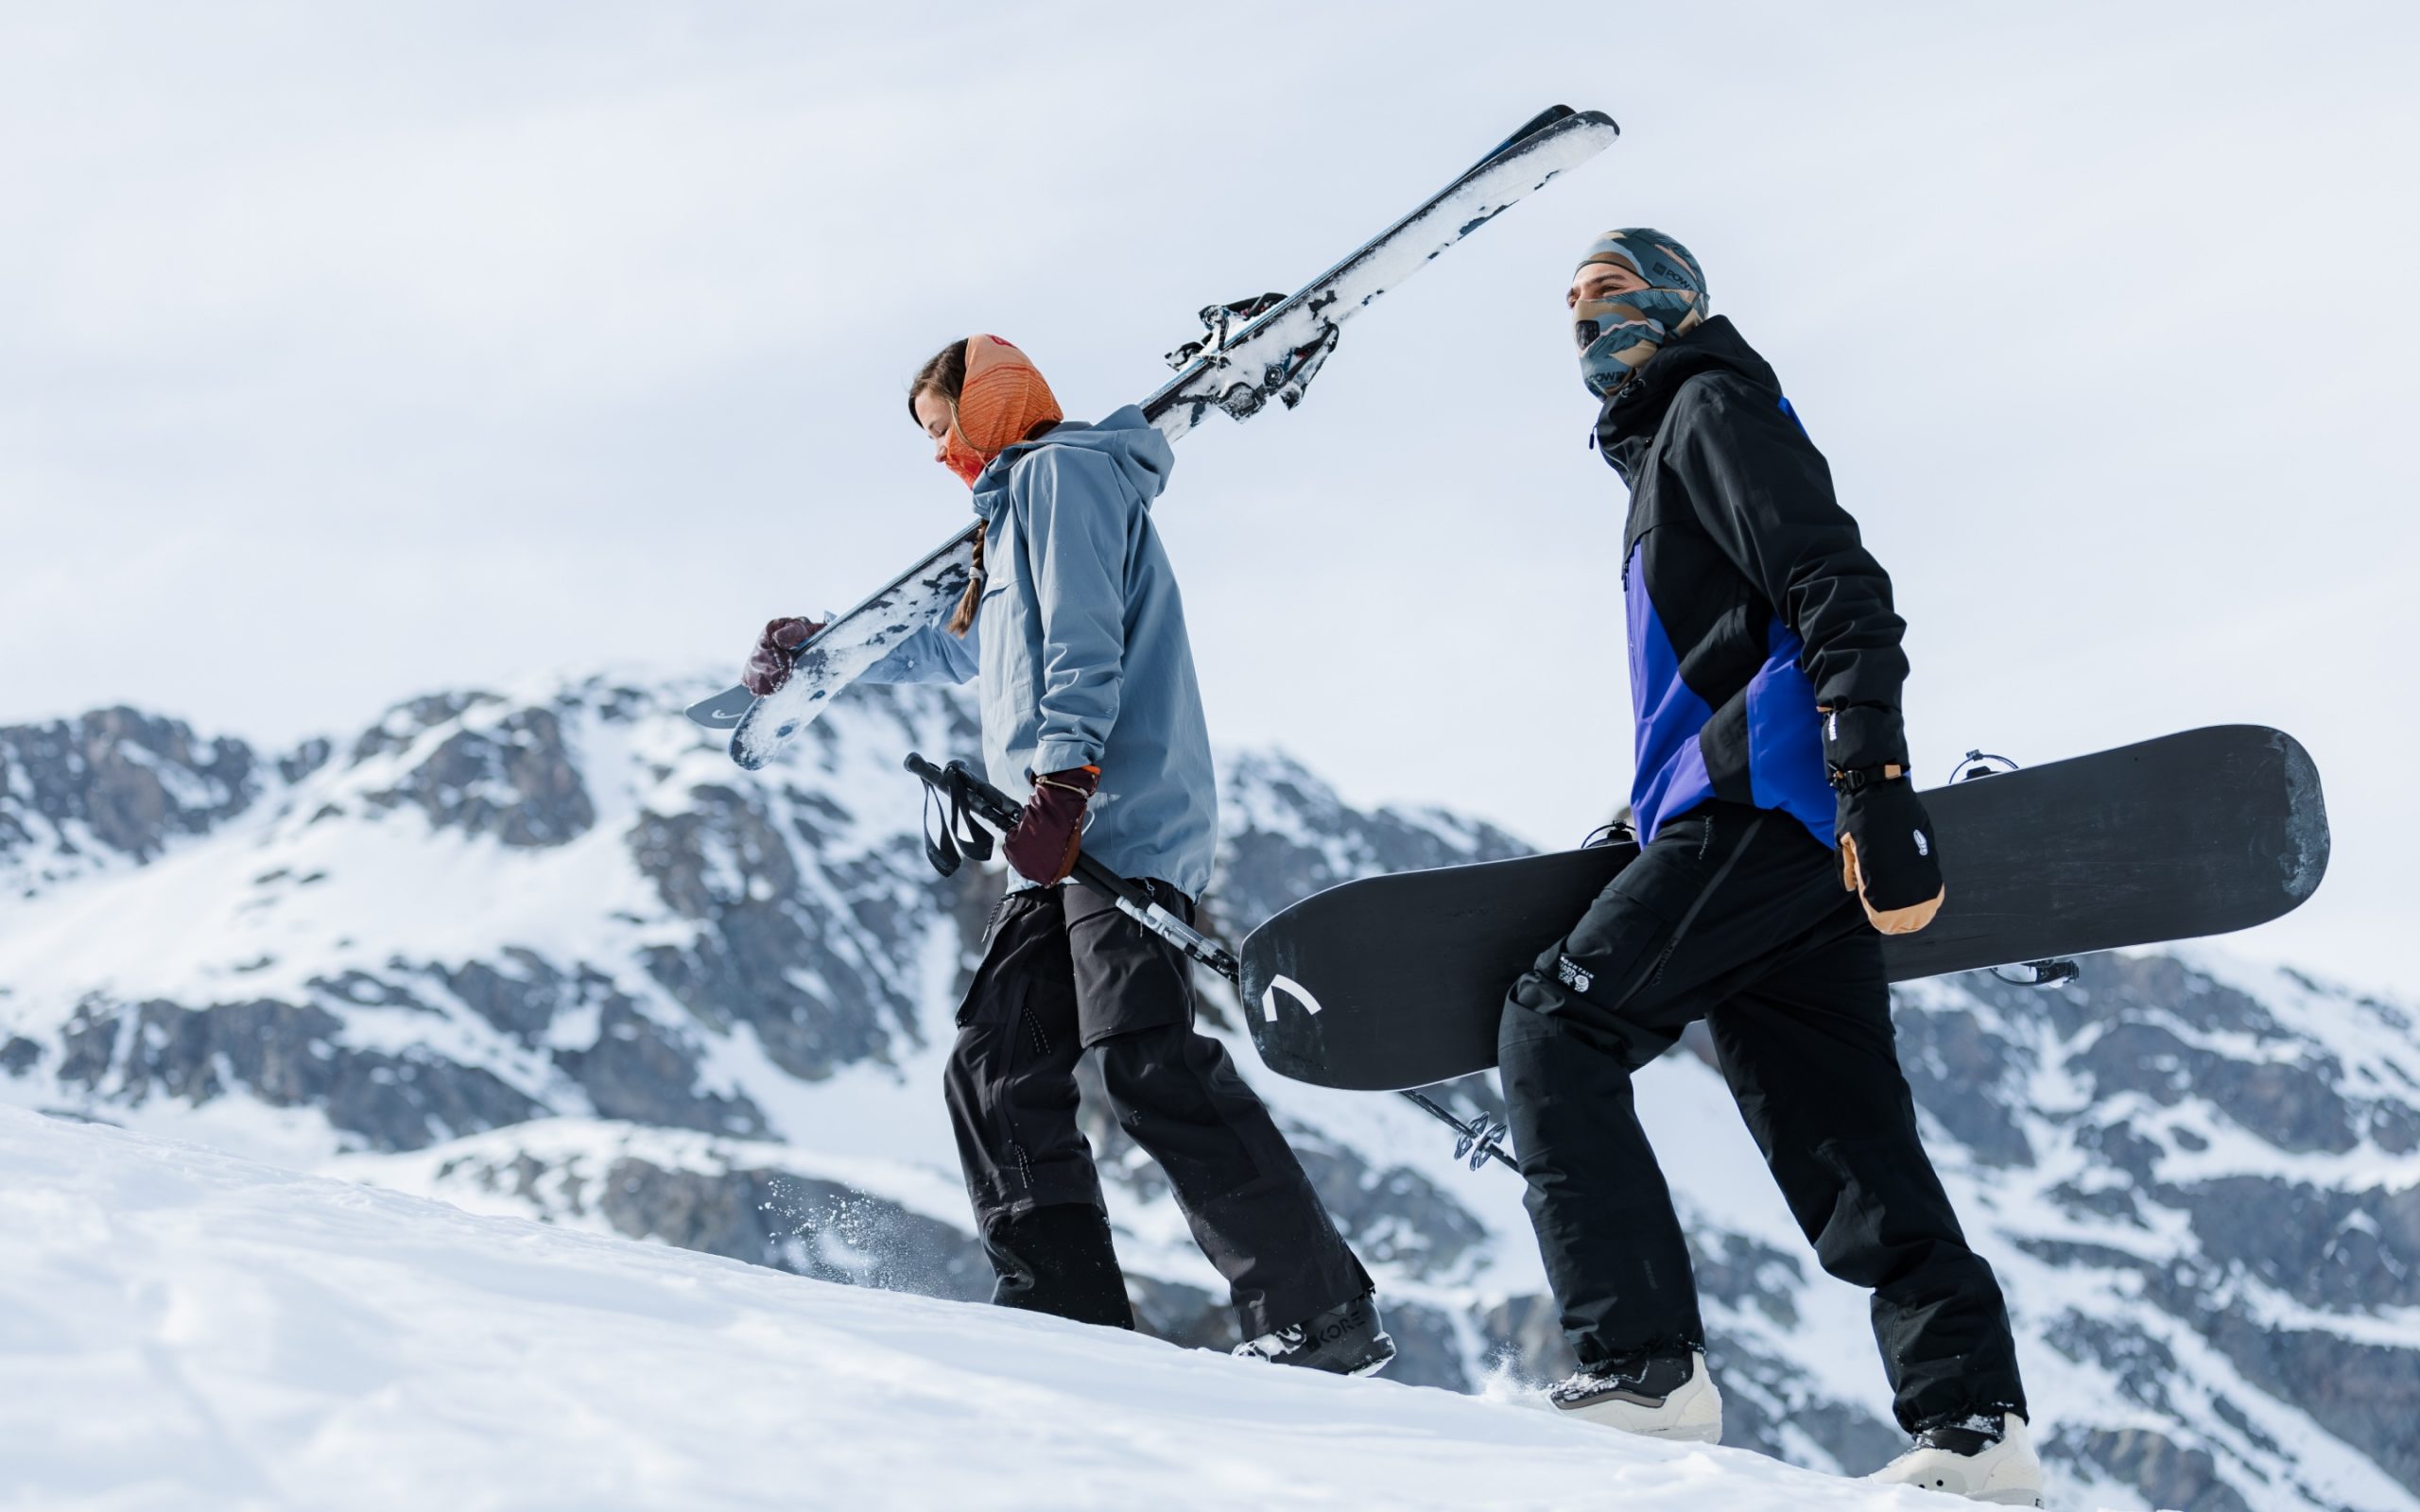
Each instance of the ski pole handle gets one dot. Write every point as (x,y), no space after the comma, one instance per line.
(996,809)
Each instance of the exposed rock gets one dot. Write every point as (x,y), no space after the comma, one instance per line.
(640,1071)
(514,780)
(124,782)
(2167,1473)
(1186,1317)
(821,991)
(2140,1364)
(1961,1073)
(2337,1250)
(1526,1340)
(794,1223)
(1321,841)
(286,1055)
(1396,1216)
(305,759)
(1766,1399)
(1429,1350)
(526,1000)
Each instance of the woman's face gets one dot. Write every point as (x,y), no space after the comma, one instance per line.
(933,413)
(1601,281)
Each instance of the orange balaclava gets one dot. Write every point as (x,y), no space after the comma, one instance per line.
(1003,398)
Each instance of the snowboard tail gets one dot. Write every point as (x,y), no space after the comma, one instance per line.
(1398,980)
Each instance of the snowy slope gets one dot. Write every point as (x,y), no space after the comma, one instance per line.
(548,954)
(189,1331)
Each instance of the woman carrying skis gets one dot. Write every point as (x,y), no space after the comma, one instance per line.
(1781,832)
(1074,627)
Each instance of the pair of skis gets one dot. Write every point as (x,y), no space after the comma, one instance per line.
(1251,353)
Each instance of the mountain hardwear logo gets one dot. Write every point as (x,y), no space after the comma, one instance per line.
(1575,976)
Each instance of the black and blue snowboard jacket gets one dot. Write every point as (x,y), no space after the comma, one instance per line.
(1751,600)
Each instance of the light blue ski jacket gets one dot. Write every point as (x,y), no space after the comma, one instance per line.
(1081,647)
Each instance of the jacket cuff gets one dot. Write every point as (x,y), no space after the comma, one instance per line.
(1059,755)
(1860,735)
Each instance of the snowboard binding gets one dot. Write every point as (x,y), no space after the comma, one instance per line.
(2052,972)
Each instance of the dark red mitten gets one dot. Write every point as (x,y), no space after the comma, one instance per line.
(769,660)
(1044,843)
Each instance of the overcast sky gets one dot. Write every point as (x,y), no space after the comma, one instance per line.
(348,351)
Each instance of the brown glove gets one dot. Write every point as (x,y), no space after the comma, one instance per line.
(1888,857)
(1046,836)
(769,660)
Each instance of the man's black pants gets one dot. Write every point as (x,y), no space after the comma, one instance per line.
(1737,916)
(1064,973)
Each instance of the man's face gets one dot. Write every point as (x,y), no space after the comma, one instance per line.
(1601,281)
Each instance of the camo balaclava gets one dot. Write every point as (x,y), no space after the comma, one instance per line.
(1618,335)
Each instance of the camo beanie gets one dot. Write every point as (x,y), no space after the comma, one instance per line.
(1616,335)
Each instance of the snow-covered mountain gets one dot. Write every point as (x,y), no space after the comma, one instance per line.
(552,956)
(217,1335)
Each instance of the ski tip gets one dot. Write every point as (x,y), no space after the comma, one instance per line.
(724,711)
(1529,129)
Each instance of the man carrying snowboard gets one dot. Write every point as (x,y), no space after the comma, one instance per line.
(1075,628)
(1780,832)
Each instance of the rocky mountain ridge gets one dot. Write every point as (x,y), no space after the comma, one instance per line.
(550,954)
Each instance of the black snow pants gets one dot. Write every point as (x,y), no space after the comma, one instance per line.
(1736,915)
(1064,972)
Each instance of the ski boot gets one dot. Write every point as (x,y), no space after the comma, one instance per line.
(1345,1340)
(1660,1396)
(1983,1459)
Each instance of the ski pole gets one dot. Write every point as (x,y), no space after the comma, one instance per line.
(972,795)
(963,793)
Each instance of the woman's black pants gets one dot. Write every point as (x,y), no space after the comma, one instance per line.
(1064,973)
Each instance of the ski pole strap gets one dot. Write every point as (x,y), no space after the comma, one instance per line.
(946,792)
(941,852)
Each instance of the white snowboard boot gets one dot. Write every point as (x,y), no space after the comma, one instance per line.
(1663,1396)
(1982,1459)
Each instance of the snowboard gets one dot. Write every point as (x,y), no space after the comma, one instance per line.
(1397,980)
(1250,351)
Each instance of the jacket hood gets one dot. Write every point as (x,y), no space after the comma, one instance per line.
(1631,418)
(1142,454)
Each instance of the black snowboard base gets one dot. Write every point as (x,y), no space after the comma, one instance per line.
(1396,981)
